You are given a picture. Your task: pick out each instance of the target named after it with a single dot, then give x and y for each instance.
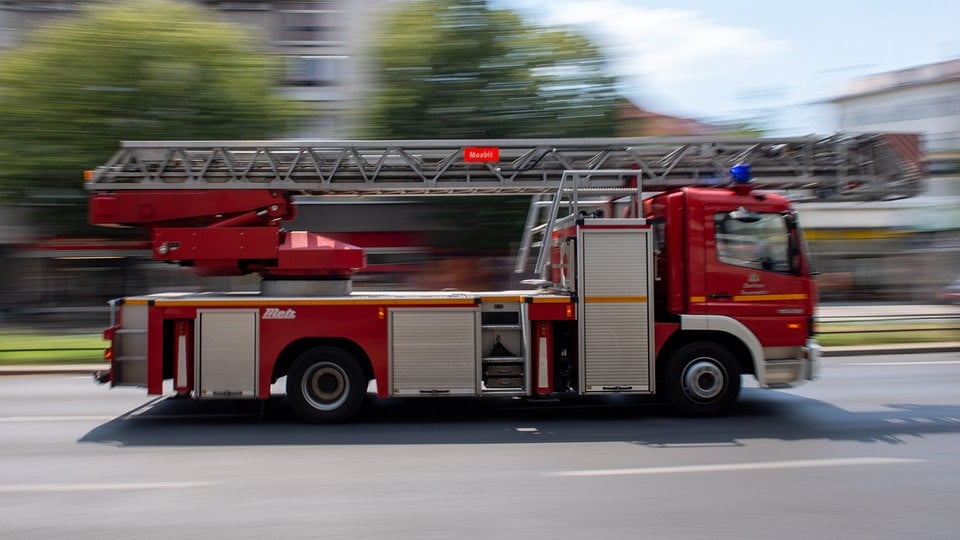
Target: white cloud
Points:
(663, 53)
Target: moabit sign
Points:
(481, 153)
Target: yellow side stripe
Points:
(317, 302)
(614, 299)
(552, 300)
(502, 299)
(853, 234)
(276, 302)
(768, 297)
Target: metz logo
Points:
(277, 313)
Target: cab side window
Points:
(752, 240)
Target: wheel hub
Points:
(704, 379)
(325, 387)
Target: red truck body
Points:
(649, 305)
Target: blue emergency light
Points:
(740, 173)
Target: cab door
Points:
(753, 271)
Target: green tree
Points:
(133, 70)
(452, 69)
(458, 69)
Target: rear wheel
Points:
(703, 379)
(326, 384)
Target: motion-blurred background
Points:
(77, 77)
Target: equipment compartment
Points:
(503, 342)
(433, 351)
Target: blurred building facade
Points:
(924, 99)
(906, 249)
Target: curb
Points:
(53, 369)
(906, 348)
(826, 352)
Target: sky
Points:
(775, 62)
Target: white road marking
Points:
(918, 420)
(727, 467)
(128, 417)
(23, 419)
(918, 363)
(100, 486)
(696, 445)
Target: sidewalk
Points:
(828, 352)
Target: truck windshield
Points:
(759, 241)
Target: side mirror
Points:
(790, 219)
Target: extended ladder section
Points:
(217, 207)
(839, 167)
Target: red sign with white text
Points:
(481, 153)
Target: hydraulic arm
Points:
(227, 232)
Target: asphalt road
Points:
(867, 451)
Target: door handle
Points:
(721, 295)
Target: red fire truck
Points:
(662, 268)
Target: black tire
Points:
(703, 379)
(326, 385)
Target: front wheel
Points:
(703, 379)
(326, 384)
